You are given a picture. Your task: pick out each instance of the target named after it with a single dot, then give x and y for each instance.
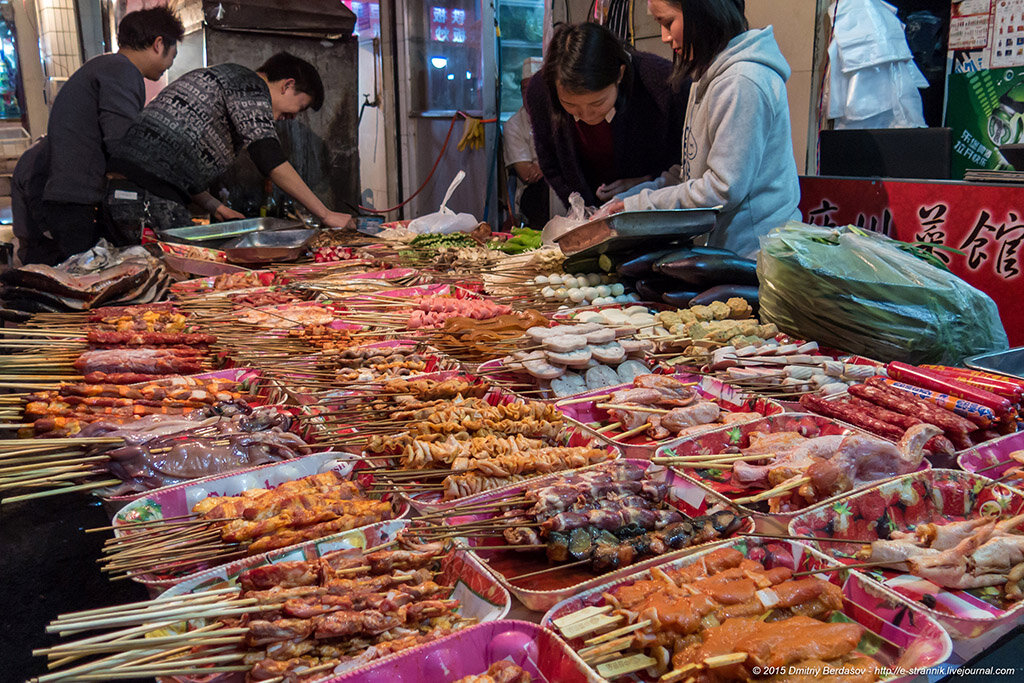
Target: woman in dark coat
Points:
(603, 117)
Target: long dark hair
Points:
(585, 58)
(708, 26)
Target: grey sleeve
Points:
(121, 96)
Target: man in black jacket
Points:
(59, 182)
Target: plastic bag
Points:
(559, 225)
(860, 291)
(873, 80)
(445, 221)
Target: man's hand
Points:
(334, 219)
(226, 213)
(608, 210)
(609, 190)
(527, 171)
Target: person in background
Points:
(738, 152)
(192, 131)
(603, 119)
(531, 199)
(59, 182)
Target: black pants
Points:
(53, 231)
(533, 204)
(74, 227)
(128, 209)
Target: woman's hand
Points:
(609, 209)
(333, 219)
(226, 213)
(527, 171)
(609, 190)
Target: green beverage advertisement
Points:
(985, 109)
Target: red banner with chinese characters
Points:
(986, 222)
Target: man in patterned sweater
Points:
(192, 131)
(60, 181)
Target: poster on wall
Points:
(1006, 44)
(968, 24)
(985, 109)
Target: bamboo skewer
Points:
(858, 565)
(785, 537)
(58, 491)
(547, 570)
(770, 493)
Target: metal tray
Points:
(1009, 362)
(218, 233)
(264, 247)
(621, 231)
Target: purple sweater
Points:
(648, 130)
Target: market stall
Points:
(342, 467)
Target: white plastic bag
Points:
(559, 225)
(873, 80)
(444, 220)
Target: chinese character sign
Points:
(984, 223)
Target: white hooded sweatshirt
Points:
(737, 147)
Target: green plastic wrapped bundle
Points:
(862, 292)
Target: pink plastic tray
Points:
(901, 504)
(540, 652)
(176, 501)
(896, 636)
(732, 401)
(730, 439)
(547, 589)
(995, 452)
(479, 596)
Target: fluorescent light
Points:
(439, 62)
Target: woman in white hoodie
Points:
(737, 146)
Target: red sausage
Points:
(997, 385)
(852, 414)
(931, 380)
(908, 404)
(894, 418)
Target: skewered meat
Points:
(774, 644)
(471, 483)
(499, 672)
(280, 574)
(610, 548)
(147, 361)
(96, 336)
(612, 519)
(701, 413)
(536, 461)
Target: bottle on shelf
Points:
(269, 206)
